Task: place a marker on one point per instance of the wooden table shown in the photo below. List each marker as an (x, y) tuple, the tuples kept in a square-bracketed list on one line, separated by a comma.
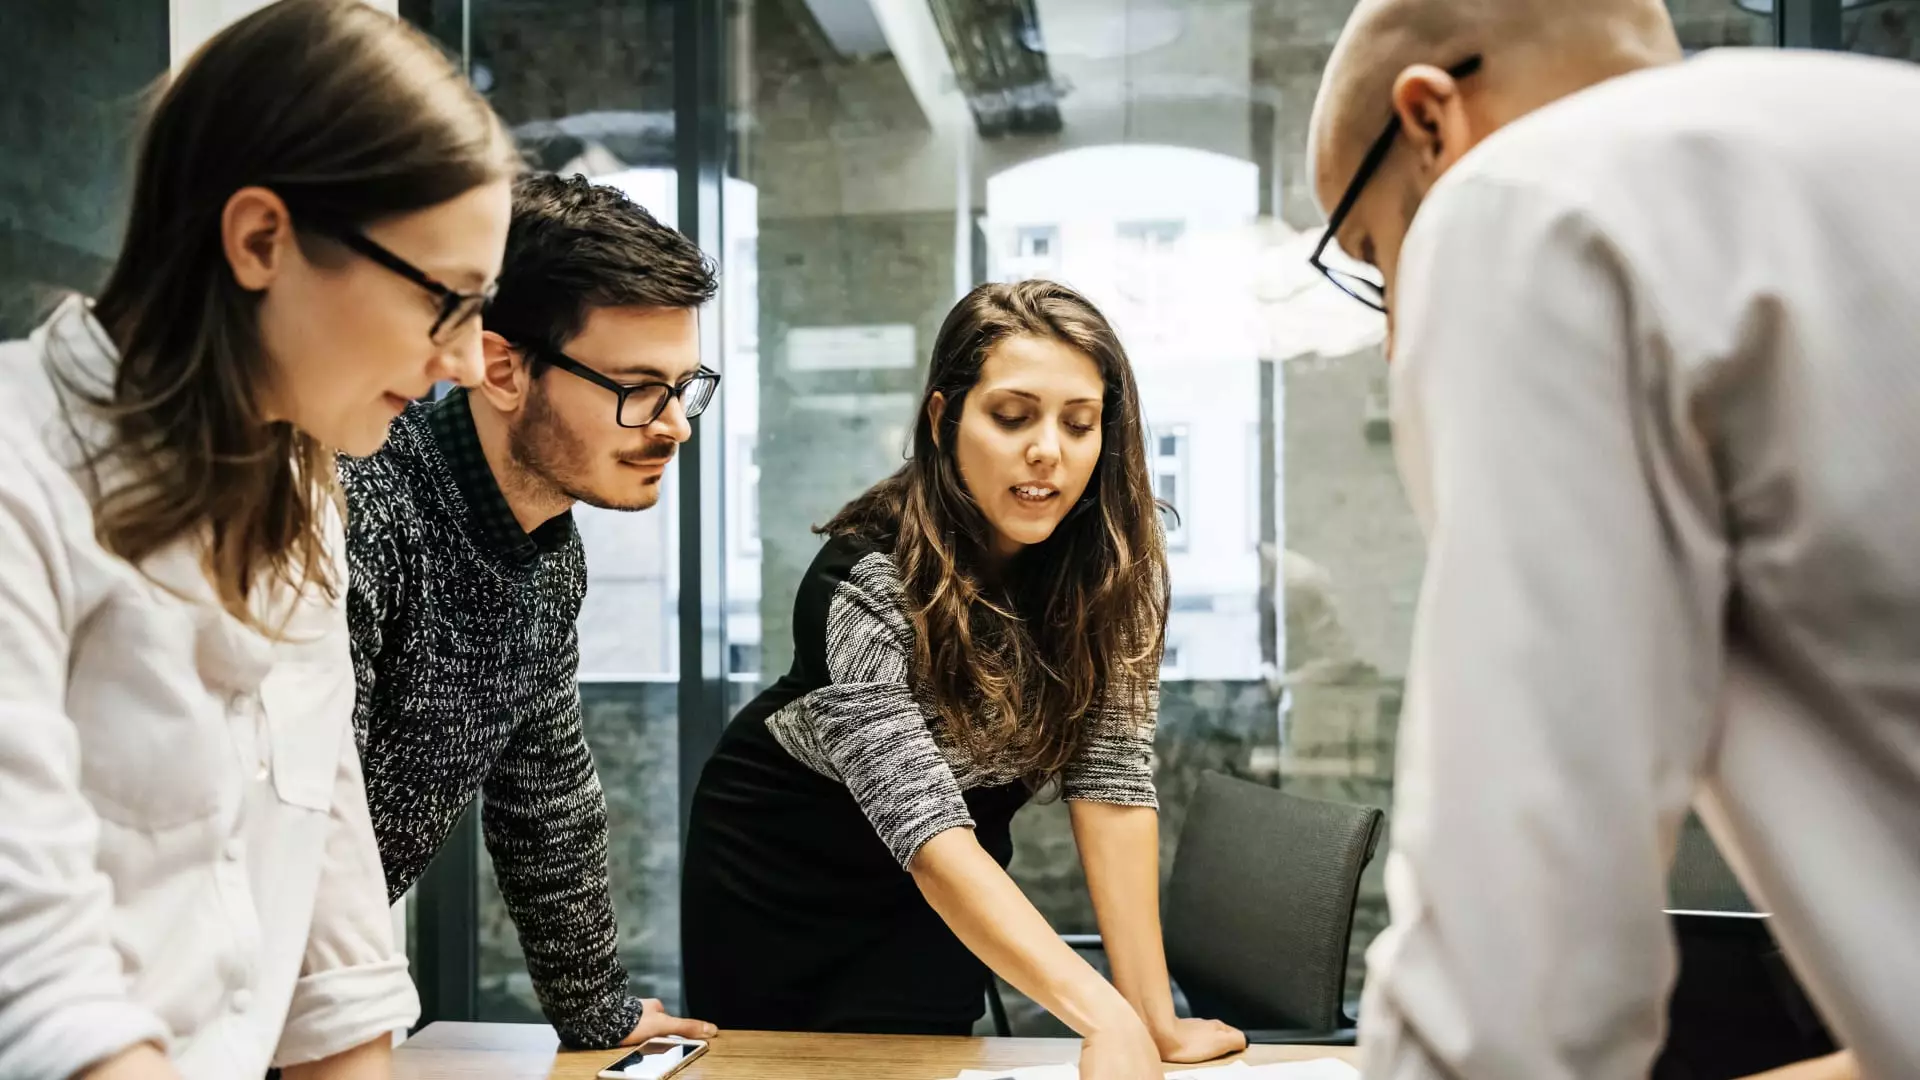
[(449, 1051)]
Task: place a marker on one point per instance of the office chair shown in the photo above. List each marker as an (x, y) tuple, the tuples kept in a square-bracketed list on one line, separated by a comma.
[(1700, 880), (1260, 909)]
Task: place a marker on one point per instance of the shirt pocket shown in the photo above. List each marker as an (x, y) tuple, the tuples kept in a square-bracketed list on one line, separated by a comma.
[(309, 706), (155, 750)]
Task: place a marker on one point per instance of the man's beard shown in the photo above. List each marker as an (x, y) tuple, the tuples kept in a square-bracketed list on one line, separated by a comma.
[(547, 452)]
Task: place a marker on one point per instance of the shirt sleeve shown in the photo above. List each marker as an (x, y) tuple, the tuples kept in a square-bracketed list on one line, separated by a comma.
[(63, 995), (353, 986), (1565, 654), (1116, 764), (545, 818), (865, 727)]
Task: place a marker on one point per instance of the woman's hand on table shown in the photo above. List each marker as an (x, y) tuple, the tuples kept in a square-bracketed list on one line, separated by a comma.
[(656, 1021), (1188, 1041), (1125, 1051)]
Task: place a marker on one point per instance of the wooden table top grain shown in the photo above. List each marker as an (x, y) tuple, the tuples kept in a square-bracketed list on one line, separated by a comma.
[(457, 1051)]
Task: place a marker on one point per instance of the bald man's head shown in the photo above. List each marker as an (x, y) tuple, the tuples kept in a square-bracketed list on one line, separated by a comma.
[(1535, 51), (1404, 62)]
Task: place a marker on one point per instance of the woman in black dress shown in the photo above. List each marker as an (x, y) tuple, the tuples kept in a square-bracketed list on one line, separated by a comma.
[(982, 626)]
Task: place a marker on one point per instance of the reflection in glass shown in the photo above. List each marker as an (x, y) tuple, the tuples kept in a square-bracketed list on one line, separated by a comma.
[(1889, 28), (1708, 24)]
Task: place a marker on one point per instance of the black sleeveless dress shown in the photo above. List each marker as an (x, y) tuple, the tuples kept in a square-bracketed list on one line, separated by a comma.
[(796, 911)]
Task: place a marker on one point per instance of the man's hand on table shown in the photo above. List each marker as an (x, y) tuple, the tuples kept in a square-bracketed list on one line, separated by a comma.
[(656, 1021)]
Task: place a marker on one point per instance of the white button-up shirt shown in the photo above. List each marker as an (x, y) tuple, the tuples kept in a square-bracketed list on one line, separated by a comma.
[(1657, 402), (185, 851)]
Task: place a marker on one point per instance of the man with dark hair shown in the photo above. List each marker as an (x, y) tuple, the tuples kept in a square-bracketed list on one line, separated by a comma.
[(467, 575)]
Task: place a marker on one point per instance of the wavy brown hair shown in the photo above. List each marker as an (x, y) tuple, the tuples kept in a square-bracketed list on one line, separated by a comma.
[(1022, 667), (349, 116)]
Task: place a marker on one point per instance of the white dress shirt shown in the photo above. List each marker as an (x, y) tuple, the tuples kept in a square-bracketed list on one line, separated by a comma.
[(185, 852), (1657, 403)]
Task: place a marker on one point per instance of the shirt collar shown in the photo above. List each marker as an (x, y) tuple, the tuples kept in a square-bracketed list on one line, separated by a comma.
[(83, 363), (490, 516)]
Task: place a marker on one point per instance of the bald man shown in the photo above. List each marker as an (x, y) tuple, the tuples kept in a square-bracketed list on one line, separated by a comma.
[(1656, 399)]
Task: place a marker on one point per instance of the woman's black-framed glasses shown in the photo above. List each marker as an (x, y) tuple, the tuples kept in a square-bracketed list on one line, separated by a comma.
[(1368, 291), (457, 308), (640, 404)]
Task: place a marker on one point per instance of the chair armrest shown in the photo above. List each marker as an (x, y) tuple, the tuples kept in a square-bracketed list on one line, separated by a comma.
[(1084, 942), (1337, 1037)]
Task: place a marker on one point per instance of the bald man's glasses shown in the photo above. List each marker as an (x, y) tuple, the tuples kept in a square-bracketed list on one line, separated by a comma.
[(1369, 291)]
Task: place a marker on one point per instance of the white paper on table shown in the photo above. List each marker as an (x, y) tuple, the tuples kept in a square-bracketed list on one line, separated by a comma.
[(1068, 1071), (1235, 1071), (1318, 1069)]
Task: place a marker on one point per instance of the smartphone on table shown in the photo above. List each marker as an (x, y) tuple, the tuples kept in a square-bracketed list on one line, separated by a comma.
[(656, 1059)]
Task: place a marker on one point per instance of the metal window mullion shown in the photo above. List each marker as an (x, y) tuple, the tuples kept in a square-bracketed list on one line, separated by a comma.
[(1808, 24), (447, 926), (700, 148)]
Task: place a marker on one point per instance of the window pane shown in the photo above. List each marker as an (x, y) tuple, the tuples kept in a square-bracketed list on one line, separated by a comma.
[(1708, 24)]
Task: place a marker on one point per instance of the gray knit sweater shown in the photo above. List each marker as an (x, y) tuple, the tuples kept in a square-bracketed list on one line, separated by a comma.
[(467, 660)]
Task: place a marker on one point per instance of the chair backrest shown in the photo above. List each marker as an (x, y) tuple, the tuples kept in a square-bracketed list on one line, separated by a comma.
[(1700, 879), (1260, 904)]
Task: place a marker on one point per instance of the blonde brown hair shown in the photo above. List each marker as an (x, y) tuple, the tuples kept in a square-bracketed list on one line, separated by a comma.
[(349, 116), (1022, 670)]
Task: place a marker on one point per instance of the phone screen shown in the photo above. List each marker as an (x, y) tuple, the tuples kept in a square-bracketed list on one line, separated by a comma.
[(653, 1059)]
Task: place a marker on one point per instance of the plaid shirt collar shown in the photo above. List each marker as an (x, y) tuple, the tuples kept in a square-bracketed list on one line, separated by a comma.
[(489, 516)]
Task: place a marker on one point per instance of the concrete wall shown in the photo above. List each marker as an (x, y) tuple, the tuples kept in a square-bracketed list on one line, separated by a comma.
[(825, 436)]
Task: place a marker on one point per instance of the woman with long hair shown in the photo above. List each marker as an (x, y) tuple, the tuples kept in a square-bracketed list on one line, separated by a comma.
[(189, 884), (984, 625)]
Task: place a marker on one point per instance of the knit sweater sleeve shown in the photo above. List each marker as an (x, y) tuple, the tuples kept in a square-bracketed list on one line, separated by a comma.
[(545, 818), (865, 727), (1116, 764)]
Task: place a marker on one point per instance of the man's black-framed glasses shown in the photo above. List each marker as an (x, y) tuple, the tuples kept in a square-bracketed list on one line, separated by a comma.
[(1368, 290), (640, 404), (457, 308)]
